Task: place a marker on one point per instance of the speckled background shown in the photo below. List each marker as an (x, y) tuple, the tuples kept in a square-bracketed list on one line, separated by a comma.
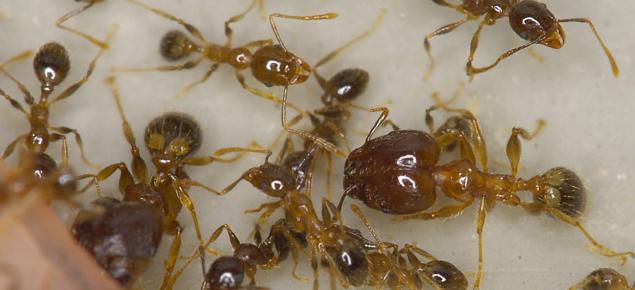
[(588, 113)]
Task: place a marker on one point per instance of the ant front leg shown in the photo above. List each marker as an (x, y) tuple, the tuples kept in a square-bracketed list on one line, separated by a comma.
[(11, 147), (236, 18), (216, 157), (188, 204), (513, 145), (269, 208), (125, 177)]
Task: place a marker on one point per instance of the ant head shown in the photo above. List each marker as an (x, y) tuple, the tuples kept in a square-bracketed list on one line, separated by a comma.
[(273, 180), (443, 275), (605, 279), (351, 261), (51, 64), (346, 85), (175, 45), (532, 20), (561, 189), (172, 137), (225, 273), (272, 65)]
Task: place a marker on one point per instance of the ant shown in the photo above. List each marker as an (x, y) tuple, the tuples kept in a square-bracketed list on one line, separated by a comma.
[(171, 139), (60, 23), (122, 236), (338, 93), (603, 279), (530, 19), (398, 173), (51, 65)]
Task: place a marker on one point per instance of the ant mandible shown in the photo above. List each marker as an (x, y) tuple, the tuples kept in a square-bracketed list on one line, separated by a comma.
[(51, 65), (398, 173), (530, 19), (603, 279)]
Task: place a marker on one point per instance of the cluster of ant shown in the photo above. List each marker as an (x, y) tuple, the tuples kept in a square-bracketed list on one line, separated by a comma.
[(398, 173)]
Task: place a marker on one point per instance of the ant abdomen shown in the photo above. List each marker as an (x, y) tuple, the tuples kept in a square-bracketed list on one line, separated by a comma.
[(393, 173), (122, 236), (561, 189), (443, 275), (604, 279), (173, 133), (225, 273), (272, 65), (346, 85), (51, 64), (43, 165), (531, 20), (175, 45)]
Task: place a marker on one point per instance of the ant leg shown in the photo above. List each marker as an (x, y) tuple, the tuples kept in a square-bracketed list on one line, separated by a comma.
[(187, 65), (138, 164), (339, 133), (286, 149), (265, 95), (444, 212), (91, 66), (471, 70), (189, 27), (320, 142), (513, 145), (315, 260), (451, 138), (188, 204), (476, 137), (365, 221), (258, 43), (329, 172), (170, 261), (440, 31), (58, 137), (331, 55), (599, 248), (228, 31), (269, 208), (11, 147), (78, 141), (125, 177), (325, 16), (59, 23), (614, 67), (535, 55), (421, 252), (200, 161), (14, 103), (382, 117), (480, 223), (203, 79)]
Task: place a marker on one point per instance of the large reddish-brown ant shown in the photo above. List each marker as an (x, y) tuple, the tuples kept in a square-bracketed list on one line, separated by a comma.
[(530, 19), (398, 173)]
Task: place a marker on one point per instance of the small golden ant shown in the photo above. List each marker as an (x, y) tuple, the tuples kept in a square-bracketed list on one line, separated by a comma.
[(530, 19)]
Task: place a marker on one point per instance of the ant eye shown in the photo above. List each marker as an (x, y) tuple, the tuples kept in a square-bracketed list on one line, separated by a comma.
[(348, 84), (51, 64), (444, 275), (155, 142), (179, 146), (563, 190), (175, 45)]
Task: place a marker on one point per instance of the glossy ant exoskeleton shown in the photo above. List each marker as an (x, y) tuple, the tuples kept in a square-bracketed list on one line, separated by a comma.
[(51, 65), (603, 279), (171, 139), (398, 173), (530, 19)]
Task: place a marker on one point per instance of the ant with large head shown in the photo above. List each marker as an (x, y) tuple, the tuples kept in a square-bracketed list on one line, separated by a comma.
[(51, 65), (399, 173), (530, 19)]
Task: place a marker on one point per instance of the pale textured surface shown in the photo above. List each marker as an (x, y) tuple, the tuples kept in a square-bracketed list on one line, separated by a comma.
[(588, 114)]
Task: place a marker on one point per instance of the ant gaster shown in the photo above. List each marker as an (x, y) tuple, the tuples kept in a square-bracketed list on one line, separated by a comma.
[(530, 19), (398, 173)]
